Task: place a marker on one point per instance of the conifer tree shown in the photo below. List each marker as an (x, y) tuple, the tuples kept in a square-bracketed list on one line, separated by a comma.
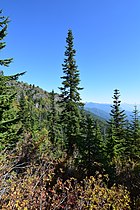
[(110, 141), (9, 118), (91, 145), (52, 118), (87, 146), (135, 134), (118, 126), (99, 140), (3, 32), (53, 121), (25, 114), (70, 97)]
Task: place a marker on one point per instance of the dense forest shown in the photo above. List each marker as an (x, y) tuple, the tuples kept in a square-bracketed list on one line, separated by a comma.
[(56, 155)]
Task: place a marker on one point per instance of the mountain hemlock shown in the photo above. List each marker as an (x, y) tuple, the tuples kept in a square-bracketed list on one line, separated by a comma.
[(70, 100)]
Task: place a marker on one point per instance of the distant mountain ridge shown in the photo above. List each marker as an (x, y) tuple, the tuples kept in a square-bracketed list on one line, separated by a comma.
[(100, 111), (103, 110)]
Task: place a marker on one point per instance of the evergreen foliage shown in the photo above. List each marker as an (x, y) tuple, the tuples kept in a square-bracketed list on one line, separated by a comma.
[(9, 129), (3, 32), (118, 126), (26, 114), (135, 135), (55, 131), (90, 145), (70, 100)]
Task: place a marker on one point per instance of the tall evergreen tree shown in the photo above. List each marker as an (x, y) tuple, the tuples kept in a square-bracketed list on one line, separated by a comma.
[(70, 97), (117, 127), (9, 118), (135, 134)]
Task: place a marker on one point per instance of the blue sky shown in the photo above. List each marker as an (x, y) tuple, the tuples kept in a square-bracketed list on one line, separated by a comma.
[(106, 39)]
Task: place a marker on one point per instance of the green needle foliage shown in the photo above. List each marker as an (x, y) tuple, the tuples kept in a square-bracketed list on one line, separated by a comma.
[(90, 145), (55, 134), (135, 135), (9, 119), (118, 126), (70, 97), (3, 32)]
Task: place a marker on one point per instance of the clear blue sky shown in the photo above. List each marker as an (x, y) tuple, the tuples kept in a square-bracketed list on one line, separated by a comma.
[(106, 38)]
